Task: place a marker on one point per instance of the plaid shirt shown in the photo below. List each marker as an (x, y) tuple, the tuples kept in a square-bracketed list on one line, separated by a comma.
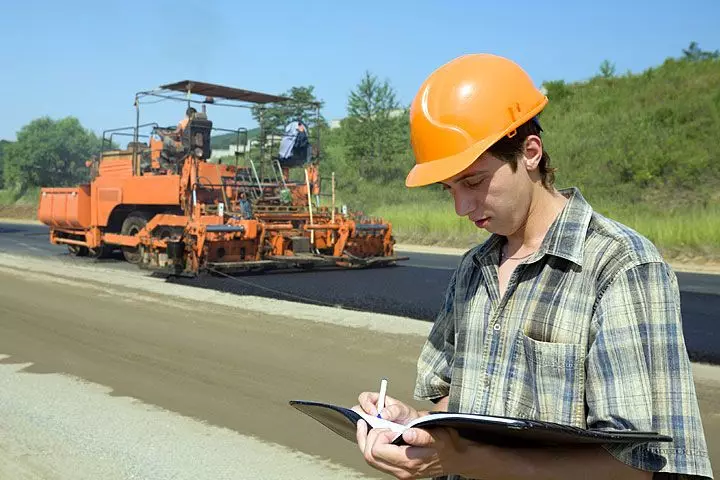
[(588, 334)]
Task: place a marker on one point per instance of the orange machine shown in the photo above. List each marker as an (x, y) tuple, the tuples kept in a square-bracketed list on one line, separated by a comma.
[(168, 208)]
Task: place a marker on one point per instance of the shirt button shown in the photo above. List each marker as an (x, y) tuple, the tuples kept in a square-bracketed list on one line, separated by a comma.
[(496, 327), (487, 382)]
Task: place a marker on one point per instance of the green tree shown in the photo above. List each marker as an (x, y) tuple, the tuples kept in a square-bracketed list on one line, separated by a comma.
[(49, 153), (376, 131), (304, 106), (694, 53), (557, 89), (3, 144), (334, 160), (607, 69)]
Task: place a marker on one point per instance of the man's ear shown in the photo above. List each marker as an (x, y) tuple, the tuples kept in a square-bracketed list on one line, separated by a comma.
[(533, 150)]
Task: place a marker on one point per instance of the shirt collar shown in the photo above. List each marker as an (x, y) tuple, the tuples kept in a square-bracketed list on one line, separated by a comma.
[(565, 238)]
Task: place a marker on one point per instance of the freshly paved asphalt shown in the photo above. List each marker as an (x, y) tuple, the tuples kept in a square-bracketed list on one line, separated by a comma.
[(412, 289)]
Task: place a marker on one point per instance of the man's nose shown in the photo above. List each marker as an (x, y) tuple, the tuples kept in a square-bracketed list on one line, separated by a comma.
[(464, 204)]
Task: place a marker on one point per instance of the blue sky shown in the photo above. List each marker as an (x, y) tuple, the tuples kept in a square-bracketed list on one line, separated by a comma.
[(87, 59)]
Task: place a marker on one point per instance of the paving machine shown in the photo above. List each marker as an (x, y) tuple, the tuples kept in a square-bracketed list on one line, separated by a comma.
[(168, 207)]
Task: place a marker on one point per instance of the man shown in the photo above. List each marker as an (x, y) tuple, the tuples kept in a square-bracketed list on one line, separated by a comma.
[(182, 124), (172, 139), (562, 315)]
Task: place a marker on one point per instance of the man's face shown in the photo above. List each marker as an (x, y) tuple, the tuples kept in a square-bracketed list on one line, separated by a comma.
[(491, 195)]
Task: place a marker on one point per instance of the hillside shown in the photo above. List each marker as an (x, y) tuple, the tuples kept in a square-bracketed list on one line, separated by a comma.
[(648, 137), (221, 142), (642, 149)]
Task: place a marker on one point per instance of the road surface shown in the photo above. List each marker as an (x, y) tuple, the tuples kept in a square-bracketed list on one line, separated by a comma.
[(413, 289), (113, 374)]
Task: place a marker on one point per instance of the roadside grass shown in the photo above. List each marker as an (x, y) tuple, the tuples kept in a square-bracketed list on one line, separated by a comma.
[(679, 233)]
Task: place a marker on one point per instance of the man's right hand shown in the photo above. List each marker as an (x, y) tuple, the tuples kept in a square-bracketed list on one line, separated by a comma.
[(395, 410)]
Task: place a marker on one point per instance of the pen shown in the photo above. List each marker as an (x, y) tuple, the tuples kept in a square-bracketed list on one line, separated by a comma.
[(381, 398)]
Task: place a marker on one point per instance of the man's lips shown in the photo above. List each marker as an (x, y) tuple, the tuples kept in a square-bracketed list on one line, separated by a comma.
[(482, 223)]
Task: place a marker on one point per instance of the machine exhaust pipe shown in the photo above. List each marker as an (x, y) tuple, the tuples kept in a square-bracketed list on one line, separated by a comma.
[(371, 226), (225, 228)]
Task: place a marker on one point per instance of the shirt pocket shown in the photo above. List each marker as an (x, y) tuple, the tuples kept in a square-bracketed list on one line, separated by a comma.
[(547, 382)]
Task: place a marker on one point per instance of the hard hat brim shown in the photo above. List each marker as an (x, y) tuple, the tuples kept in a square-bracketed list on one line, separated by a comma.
[(443, 168), (438, 170)]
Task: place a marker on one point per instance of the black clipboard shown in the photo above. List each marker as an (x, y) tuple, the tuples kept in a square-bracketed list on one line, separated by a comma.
[(500, 431)]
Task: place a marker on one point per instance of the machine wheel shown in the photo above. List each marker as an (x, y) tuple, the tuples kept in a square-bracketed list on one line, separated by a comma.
[(78, 251), (163, 232), (131, 226), (103, 251)]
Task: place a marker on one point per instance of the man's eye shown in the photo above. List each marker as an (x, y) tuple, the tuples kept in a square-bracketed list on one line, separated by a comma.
[(475, 183)]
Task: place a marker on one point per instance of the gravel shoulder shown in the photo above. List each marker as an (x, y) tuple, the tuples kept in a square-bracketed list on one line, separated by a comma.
[(112, 374)]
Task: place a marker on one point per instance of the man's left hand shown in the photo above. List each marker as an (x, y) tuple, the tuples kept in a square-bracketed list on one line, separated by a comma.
[(428, 453)]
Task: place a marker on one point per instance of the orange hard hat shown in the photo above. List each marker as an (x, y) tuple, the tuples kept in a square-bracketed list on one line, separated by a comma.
[(462, 109)]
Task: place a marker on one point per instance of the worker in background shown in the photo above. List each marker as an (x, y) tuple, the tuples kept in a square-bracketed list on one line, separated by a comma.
[(561, 315), (182, 125), (314, 178), (172, 139), (245, 206), (295, 149)]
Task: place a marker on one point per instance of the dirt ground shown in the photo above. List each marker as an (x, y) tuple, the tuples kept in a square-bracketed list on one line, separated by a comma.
[(228, 367), (18, 212), (218, 363)]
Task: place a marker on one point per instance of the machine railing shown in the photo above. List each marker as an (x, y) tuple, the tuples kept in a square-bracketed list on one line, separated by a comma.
[(240, 141)]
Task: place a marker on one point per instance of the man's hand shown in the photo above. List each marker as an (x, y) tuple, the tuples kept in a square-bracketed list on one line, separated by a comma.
[(440, 451), (427, 455), (395, 410)]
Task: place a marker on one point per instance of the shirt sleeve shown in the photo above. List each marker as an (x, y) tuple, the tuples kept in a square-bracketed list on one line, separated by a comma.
[(434, 366), (639, 375)]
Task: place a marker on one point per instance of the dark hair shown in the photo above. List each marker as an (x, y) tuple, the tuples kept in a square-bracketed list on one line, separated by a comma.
[(190, 111), (509, 150)]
